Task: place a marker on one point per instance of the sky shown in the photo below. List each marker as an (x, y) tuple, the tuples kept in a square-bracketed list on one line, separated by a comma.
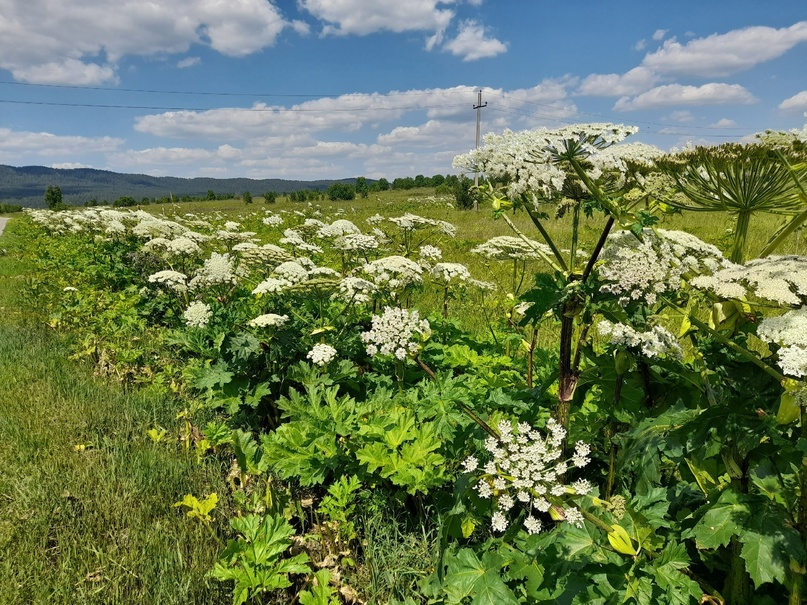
[(330, 89)]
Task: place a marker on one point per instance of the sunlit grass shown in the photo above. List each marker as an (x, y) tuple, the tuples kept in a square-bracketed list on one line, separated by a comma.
[(85, 495)]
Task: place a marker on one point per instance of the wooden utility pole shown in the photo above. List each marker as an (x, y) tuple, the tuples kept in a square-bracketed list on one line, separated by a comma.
[(478, 108)]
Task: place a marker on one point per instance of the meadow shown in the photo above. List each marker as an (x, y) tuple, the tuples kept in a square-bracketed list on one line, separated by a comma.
[(591, 395)]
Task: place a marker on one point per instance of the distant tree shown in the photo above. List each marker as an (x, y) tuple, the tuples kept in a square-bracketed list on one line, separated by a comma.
[(362, 189), (464, 193), (340, 191), (53, 197), (437, 180), (145, 201), (270, 197), (211, 195), (422, 181), (125, 201), (383, 184), (403, 183), (247, 197)]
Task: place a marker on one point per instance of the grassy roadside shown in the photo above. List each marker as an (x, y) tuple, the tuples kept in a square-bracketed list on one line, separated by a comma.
[(91, 524)]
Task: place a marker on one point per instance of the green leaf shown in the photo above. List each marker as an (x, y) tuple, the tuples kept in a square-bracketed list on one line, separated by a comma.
[(769, 545), (212, 376), (724, 519), (321, 592), (467, 576)]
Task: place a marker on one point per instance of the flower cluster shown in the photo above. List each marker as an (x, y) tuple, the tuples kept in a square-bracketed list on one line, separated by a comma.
[(197, 315), (656, 342), (398, 332), (321, 354), (526, 470), (394, 272), (641, 270), (781, 279), (789, 331), (529, 160), (173, 280), (268, 320), (218, 269), (446, 273), (507, 247)]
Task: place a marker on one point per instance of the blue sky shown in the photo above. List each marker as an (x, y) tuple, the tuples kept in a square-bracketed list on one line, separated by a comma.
[(379, 88)]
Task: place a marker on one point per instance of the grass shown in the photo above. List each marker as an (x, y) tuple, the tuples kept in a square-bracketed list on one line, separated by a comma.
[(85, 495)]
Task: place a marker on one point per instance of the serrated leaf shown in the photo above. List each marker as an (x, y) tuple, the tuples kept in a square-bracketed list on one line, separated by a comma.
[(724, 519), (467, 576)]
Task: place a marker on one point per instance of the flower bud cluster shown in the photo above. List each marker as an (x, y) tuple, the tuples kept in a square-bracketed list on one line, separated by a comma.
[(173, 280), (398, 332), (269, 320), (526, 470)]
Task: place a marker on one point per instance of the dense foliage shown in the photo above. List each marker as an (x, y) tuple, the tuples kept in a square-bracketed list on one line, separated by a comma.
[(651, 452)]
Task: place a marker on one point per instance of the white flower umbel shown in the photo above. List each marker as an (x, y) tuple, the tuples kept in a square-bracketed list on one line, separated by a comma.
[(507, 247), (450, 273), (355, 289), (789, 331), (781, 279), (173, 280), (197, 315), (528, 160), (398, 332), (218, 269), (321, 354), (526, 470), (637, 270), (338, 228), (656, 342), (273, 221), (430, 254), (268, 320), (394, 272)]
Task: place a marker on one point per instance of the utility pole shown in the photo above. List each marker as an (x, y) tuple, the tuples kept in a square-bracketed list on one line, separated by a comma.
[(478, 108)]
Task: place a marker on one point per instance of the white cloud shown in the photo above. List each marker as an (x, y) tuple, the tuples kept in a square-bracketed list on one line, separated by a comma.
[(720, 55), (659, 34), (82, 41), (671, 95), (723, 123), (363, 17), (681, 116), (797, 103), (189, 62), (69, 165), (23, 143), (633, 82), (472, 43)]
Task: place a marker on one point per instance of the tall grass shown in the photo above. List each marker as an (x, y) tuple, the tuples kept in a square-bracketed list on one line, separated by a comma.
[(85, 495)]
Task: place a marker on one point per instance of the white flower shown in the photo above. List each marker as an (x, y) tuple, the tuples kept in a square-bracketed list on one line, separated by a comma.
[(355, 289), (789, 331), (450, 272), (498, 521), (394, 272), (507, 247), (271, 286), (218, 269), (321, 354), (397, 332), (781, 279), (269, 320), (273, 220), (430, 253), (573, 516), (656, 342), (197, 315), (532, 525), (471, 464), (173, 280)]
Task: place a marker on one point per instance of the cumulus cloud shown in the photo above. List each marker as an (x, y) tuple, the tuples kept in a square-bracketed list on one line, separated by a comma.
[(724, 123), (633, 82), (720, 55), (82, 41), (676, 94), (362, 17), (797, 103), (472, 42), (189, 62), (47, 144)]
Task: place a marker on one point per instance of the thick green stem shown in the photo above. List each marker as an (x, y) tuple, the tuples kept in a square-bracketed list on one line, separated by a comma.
[(560, 265), (567, 376), (795, 222), (740, 237), (797, 575)]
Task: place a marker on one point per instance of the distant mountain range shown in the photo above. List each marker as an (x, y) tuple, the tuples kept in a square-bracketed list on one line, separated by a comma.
[(26, 185)]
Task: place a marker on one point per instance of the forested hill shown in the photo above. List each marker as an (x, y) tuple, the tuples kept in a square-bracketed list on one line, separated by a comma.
[(26, 185)]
